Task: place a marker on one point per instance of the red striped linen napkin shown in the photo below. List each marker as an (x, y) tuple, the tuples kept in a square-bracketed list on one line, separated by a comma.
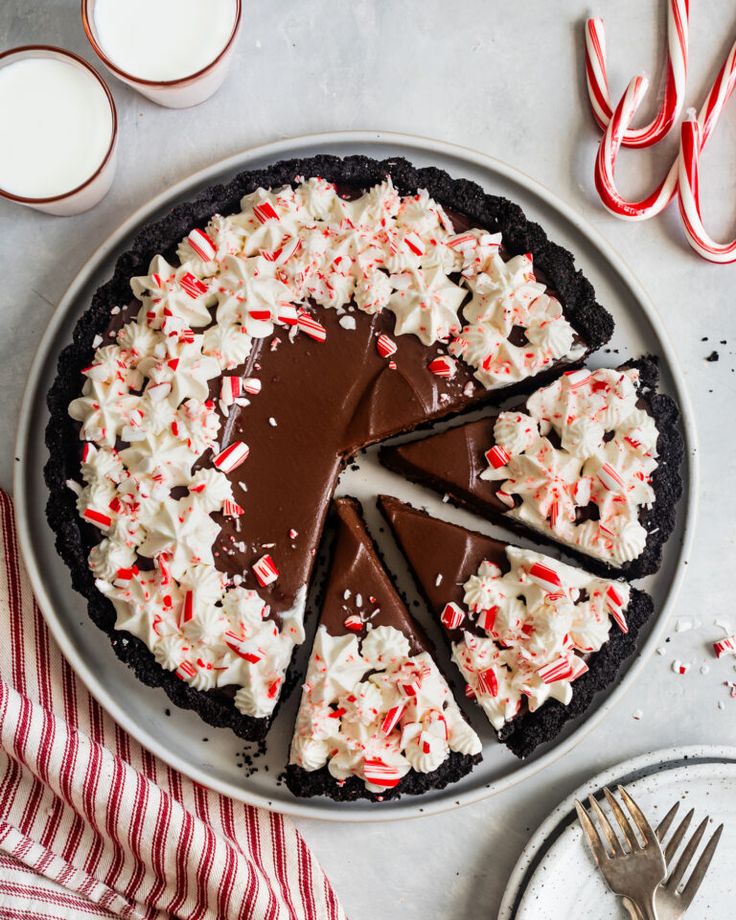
[(92, 825)]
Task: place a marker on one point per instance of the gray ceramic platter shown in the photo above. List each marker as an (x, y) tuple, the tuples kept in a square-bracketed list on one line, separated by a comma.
[(178, 738)]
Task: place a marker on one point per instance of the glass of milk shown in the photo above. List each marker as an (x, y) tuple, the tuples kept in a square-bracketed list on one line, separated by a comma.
[(175, 52), (59, 130)]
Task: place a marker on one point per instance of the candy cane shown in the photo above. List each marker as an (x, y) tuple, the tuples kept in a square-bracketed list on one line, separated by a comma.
[(697, 236), (693, 136), (605, 165), (678, 14)]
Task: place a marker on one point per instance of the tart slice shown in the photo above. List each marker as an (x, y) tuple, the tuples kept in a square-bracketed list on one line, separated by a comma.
[(377, 718), (590, 462), (535, 639)]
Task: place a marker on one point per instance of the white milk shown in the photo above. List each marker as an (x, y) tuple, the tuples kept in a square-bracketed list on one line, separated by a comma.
[(56, 127), (163, 39)]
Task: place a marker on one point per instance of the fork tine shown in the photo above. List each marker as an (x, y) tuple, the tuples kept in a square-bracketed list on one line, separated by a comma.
[(666, 822), (687, 854), (591, 834), (676, 838), (638, 815), (623, 821), (605, 825), (696, 879)]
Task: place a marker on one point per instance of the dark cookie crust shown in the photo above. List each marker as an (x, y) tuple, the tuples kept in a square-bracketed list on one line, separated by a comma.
[(523, 735), (659, 520), (591, 321), (305, 784)]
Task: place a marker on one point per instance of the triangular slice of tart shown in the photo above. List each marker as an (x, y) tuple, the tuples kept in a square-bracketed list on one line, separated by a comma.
[(535, 639), (376, 718), (590, 462)]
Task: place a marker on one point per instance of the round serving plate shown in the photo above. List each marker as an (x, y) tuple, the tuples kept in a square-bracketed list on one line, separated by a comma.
[(555, 876), (211, 756)]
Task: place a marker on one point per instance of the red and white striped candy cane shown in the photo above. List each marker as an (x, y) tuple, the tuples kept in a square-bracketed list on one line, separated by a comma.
[(605, 163), (678, 13), (693, 135)]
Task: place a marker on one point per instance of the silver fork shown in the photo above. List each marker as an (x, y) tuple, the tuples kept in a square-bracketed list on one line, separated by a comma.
[(671, 904), (635, 870)]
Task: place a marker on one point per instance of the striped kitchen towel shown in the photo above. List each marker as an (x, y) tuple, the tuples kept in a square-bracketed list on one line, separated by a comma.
[(92, 825)]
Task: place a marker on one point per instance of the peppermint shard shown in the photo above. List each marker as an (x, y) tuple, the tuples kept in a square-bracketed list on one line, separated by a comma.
[(590, 462), (377, 718), (534, 639)]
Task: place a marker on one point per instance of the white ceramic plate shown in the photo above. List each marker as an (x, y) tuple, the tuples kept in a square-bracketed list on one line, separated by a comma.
[(208, 755), (556, 878)]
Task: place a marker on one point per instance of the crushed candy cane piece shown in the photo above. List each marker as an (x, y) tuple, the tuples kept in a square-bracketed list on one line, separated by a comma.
[(265, 211), (559, 669), (726, 646), (391, 719), (192, 285), (386, 346), (252, 386), (497, 457), (452, 616), (202, 245), (610, 478), (578, 378), (98, 518), (615, 604), (379, 773), (443, 366), (546, 577), (488, 682), (231, 458), (265, 571), (307, 324)]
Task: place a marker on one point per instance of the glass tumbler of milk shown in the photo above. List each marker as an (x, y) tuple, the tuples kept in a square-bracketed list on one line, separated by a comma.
[(59, 130), (175, 52)]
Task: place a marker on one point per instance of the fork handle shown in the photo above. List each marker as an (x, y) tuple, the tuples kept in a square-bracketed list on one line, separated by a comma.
[(632, 909), (646, 909)]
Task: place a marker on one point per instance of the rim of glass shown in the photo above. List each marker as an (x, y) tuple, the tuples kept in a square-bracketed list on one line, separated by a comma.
[(87, 24), (54, 51)]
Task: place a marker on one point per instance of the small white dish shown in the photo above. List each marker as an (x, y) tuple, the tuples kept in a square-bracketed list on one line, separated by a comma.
[(72, 134), (556, 877), (180, 92)]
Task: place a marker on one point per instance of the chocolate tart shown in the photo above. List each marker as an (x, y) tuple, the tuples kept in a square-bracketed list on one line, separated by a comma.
[(434, 548), (321, 401), (452, 462), (360, 599)]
